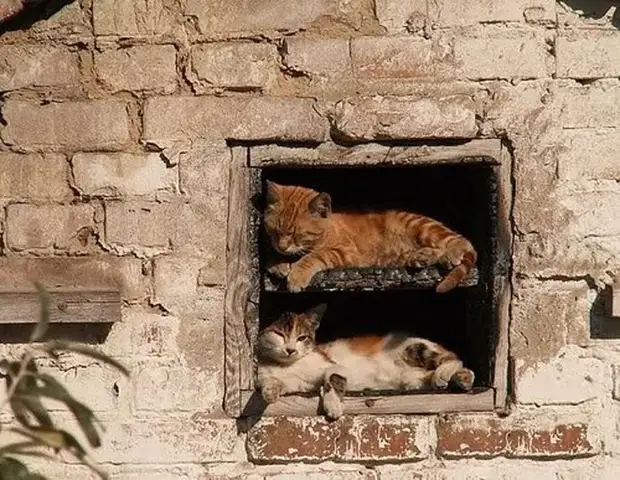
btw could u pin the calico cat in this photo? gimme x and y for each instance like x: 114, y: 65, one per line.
x: 289, y: 360
x: 299, y: 222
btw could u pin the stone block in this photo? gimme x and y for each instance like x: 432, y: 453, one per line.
x: 542, y: 434
x: 170, y: 440
x: 204, y: 172
x: 58, y: 227
x: 494, y: 57
x: 236, y: 66
x: 588, y: 54
x: 351, y: 439
x: 34, y: 177
x: 568, y: 378
x: 83, y: 125
x: 546, y: 317
x: 37, y: 66
x: 147, y: 67
x: 391, y: 118
x: 161, y: 387
x: 158, y: 472
x: 148, y: 228
x: 593, y: 213
x: 322, y: 57
x: 256, y: 118
x: 176, y: 281
x: 398, y: 16
x: 127, y: 18
x: 152, y: 334
x: 122, y: 174
x: 590, y: 154
x: 234, y: 18
x: 401, y: 58
x: 592, y: 106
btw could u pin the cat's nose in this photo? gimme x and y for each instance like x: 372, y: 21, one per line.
x: 290, y: 351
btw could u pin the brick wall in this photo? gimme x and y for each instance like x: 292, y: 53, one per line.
x: 117, y: 120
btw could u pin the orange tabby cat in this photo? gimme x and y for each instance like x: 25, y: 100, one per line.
x: 300, y: 222
x: 290, y: 361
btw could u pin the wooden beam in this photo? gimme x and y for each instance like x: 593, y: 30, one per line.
x: 373, y: 279
x: 72, y: 306
x: 375, y: 154
x: 237, y: 280
x: 416, y: 403
x: 615, y: 300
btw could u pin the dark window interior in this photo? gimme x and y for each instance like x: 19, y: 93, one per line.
x: 463, y: 196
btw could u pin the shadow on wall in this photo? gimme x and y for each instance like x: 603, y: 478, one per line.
x: 595, y: 9
x: 602, y: 325
x: 33, y: 11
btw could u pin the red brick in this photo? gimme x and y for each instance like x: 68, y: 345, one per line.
x: 460, y: 436
x: 351, y: 439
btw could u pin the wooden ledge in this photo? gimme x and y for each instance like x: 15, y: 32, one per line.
x: 373, y: 279
x: 68, y: 306
x: 480, y: 400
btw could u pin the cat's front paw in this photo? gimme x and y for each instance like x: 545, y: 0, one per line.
x: 298, y: 279
x: 271, y: 391
x: 279, y: 270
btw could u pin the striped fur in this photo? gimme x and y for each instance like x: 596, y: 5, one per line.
x: 300, y: 223
x: 290, y: 361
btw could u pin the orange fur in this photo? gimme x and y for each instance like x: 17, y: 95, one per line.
x: 299, y: 222
x: 367, y: 345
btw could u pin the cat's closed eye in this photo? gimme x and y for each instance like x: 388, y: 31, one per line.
x: 279, y: 334
x: 303, y: 338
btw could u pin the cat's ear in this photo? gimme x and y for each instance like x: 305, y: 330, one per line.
x: 315, y: 314
x: 273, y: 192
x: 321, y: 205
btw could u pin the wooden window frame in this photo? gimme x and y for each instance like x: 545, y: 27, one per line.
x: 243, y: 278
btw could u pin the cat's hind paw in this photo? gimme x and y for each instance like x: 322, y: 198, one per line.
x: 462, y: 380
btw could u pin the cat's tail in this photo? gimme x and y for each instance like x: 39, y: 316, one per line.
x: 458, y: 273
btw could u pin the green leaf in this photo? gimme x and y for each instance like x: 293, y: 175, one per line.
x: 44, y: 319
x: 52, y: 388
x: 54, y: 345
x: 12, y: 469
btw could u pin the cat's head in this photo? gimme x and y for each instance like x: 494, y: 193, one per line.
x: 295, y: 218
x: 292, y: 336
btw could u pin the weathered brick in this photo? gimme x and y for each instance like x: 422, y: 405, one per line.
x: 546, y: 317
x: 172, y: 440
x: 37, y: 66
x: 404, y: 118
x: 152, y: 335
x: 34, y: 177
x: 463, y: 12
x: 102, y: 272
x: 176, y: 280
x: 86, y: 125
x: 549, y: 383
x: 327, y: 475
x: 118, y: 174
x: 162, y: 387
x: 593, y: 213
x: 595, y: 105
x: 397, y: 15
x: 237, y: 66
x: 576, y: 161
x: 150, y: 227
x: 588, y: 54
x: 351, y: 439
x: 242, y: 17
x: 401, y: 58
x: 616, y: 375
x: 60, y: 227
x: 257, y: 118
x: 148, y: 67
x: 204, y: 172
x: 490, y: 57
x: 128, y: 18
x: 533, y: 436
x: 328, y: 57
x: 158, y: 472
